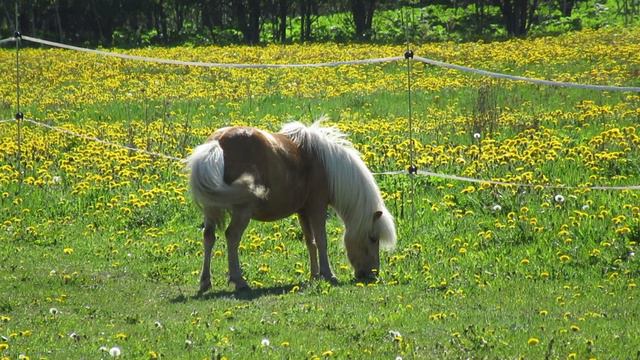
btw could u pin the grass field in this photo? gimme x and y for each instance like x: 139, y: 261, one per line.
x: 100, y: 246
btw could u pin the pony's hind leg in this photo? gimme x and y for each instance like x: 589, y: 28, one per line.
x: 239, y: 221
x: 311, y: 245
x: 211, y: 219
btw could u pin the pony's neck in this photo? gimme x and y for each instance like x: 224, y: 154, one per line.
x: 353, y: 192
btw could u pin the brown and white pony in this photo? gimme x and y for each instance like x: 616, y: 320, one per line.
x: 254, y: 174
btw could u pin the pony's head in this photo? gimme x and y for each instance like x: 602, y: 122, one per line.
x: 363, y: 245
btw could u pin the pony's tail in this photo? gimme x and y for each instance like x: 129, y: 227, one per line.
x: 208, y: 188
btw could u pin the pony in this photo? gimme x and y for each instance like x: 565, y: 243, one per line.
x: 249, y: 173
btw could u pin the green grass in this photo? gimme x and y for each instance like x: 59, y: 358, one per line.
x: 492, y: 321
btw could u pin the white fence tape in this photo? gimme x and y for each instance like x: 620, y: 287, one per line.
x: 7, y: 40
x: 521, y: 78
x: 399, y: 172
x: 333, y: 64
x: 504, y: 183
x: 207, y: 64
x: 7, y: 120
x: 93, y: 138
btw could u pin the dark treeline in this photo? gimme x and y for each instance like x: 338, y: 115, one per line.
x: 142, y: 22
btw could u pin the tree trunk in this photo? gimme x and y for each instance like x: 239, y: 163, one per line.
x: 253, y: 28
x: 283, y: 8
x: 566, y: 7
x: 312, y: 8
x: 362, y: 11
x: 212, y: 14
x: 303, y: 18
x: 59, y: 22
x: 240, y: 15
x: 518, y: 15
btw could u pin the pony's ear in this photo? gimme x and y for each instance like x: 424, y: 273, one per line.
x: 377, y: 215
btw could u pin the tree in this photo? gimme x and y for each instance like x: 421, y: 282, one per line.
x: 518, y: 15
x: 362, y: 11
x: 247, y: 16
x: 307, y: 9
x: 566, y: 7
x: 283, y: 10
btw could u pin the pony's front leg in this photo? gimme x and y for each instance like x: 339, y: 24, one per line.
x: 208, y: 240
x: 318, y: 220
x: 239, y: 222
x: 311, y: 245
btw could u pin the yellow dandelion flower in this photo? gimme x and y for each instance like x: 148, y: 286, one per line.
x: 533, y: 341
x: 574, y: 328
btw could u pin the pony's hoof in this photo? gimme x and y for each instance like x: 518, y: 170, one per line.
x: 332, y: 279
x: 242, y: 288
x: 240, y: 285
x: 204, y: 288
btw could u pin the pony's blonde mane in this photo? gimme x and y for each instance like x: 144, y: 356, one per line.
x: 353, y: 191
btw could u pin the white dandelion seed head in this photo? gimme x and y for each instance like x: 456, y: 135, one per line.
x: 394, y: 334
x: 496, y: 208
x: 54, y: 311
x: 4, y: 338
x: 559, y: 198
x: 74, y: 336
x: 398, y: 357
x: 115, y: 351
x: 585, y: 207
x: 632, y: 254
x: 477, y: 136
x: 188, y: 343
x: 103, y: 349
x: 157, y: 324
x: 56, y: 179
x: 265, y: 342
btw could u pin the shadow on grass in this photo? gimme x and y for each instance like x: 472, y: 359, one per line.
x: 252, y: 294
x: 248, y: 294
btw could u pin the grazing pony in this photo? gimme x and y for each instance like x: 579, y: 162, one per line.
x: 254, y: 174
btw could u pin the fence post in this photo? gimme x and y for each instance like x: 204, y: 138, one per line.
x: 413, y: 170
x: 19, y: 115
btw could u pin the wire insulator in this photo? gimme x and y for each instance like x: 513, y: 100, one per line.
x: 412, y: 170
x: 19, y: 116
x: 408, y: 54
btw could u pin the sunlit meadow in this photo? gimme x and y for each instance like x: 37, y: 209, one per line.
x: 100, y: 246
